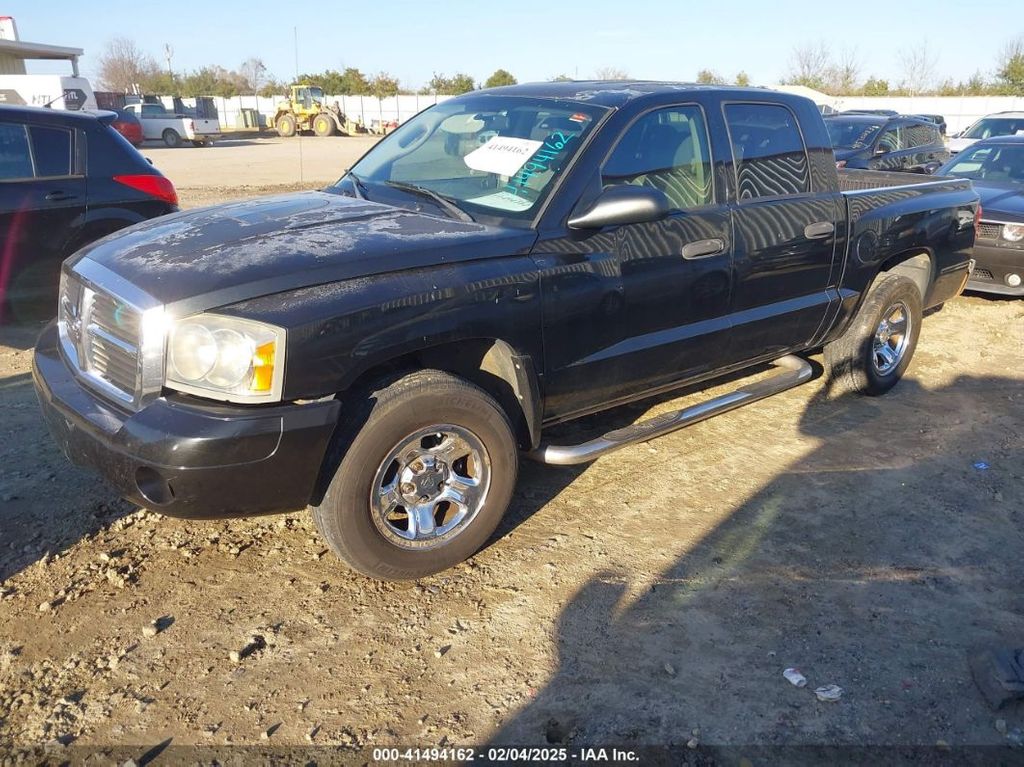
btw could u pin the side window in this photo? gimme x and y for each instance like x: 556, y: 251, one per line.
x: 768, y: 151
x: 15, y: 159
x: 918, y: 134
x: 891, y: 140
x: 52, y: 150
x: 667, y: 149
x: 150, y: 110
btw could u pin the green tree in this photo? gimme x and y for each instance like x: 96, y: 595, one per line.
x: 499, y: 78
x: 450, y: 86
x: 875, y: 87
x: 1011, y: 67
x: 560, y: 79
x: 710, y: 77
x: 743, y: 80
x: 383, y: 85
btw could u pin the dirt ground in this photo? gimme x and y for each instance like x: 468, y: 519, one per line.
x: 248, y: 165
x: 653, y: 597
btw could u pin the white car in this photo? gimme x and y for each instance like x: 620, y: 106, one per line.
x: 998, y: 124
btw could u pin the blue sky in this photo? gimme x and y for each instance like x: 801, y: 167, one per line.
x: 533, y: 40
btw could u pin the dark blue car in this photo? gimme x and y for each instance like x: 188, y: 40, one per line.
x: 996, y: 168
x: 882, y: 142
x: 66, y: 179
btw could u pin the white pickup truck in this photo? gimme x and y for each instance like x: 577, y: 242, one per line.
x: 161, y: 125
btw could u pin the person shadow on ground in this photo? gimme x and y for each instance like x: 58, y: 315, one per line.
x: 874, y: 563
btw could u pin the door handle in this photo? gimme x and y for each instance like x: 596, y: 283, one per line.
x: 818, y: 230
x: 704, y: 248
x: 59, y: 196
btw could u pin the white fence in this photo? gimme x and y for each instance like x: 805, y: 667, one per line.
x: 959, y: 111
x: 367, y: 109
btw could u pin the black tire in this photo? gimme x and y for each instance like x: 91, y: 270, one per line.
x: 372, y: 427
x: 285, y: 126
x: 854, y: 361
x: 323, y: 125
x: 171, y: 138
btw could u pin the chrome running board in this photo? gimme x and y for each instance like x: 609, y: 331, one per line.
x: 793, y: 372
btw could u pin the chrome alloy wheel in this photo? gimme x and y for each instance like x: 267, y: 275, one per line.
x: 891, y: 338
x: 430, y: 487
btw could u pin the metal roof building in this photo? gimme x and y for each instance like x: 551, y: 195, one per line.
x: 14, y: 52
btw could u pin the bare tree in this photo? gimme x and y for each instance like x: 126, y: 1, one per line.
x: 253, y: 73
x: 809, y: 65
x: 122, y: 65
x: 611, y: 73
x: 843, y: 77
x: 918, y: 68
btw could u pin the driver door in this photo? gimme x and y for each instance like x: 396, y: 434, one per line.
x: 632, y: 308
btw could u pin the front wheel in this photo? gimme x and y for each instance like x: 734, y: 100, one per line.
x: 429, y: 470
x: 876, y: 349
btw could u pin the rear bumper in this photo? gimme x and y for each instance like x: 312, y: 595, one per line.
x: 994, y: 264
x: 185, y: 459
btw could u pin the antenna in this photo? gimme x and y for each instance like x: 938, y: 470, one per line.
x: 298, y: 133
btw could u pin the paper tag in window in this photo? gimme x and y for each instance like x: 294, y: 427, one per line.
x: 503, y: 155
x: 503, y: 201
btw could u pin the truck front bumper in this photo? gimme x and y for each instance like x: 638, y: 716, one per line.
x: 994, y: 266
x: 184, y: 458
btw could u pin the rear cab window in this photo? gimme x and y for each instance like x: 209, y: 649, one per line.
x: 769, y: 155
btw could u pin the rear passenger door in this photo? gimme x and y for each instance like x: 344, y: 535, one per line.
x: 784, y: 220
x: 923, y: 145
x: 42, y: 203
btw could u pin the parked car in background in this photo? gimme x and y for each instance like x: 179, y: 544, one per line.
x: 66, y: 179
x: 382, y: 350
x: 128, y: 125
x: 877, y: 112
x: 159, y: 124
x: 997, y: 124
x: 938, y: 120
x: 996, y: 168
x: 877, y: 142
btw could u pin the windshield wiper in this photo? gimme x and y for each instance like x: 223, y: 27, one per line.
x: 444, y: 202
x: 357, y: 185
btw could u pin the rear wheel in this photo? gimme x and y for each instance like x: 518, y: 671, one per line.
x: 323, y: 125
x: 428, y: 473
x: 285, y: 126
x: 171, y: 138
x: 876, y: 349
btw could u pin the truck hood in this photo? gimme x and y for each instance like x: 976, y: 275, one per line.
x: 200, y: 259
x: 1001, y: 202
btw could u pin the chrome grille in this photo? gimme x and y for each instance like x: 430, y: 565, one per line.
x: 102, y: 335
x: 989, y: 231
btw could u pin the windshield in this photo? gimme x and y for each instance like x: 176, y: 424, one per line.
x: 851, y: 134
x: 998, y: 126
x: 486, y: 154
x: 1003, y: 164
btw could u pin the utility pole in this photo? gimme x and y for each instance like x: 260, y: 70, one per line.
x: 169, y: 54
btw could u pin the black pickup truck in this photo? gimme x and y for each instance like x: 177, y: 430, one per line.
x: 382, y: 351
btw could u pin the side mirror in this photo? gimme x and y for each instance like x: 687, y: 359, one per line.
x: 623, y: 204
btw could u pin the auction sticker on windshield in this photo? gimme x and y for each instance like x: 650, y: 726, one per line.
x: 503, y: 201
x: 503, y: 155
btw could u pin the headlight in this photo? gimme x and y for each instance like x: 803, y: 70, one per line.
x: 1013, y: 232
x: 226, y: 358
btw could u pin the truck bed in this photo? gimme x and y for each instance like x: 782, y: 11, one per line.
x: 865, y: 180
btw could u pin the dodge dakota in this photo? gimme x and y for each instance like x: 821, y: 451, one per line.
x: 383, y: 351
